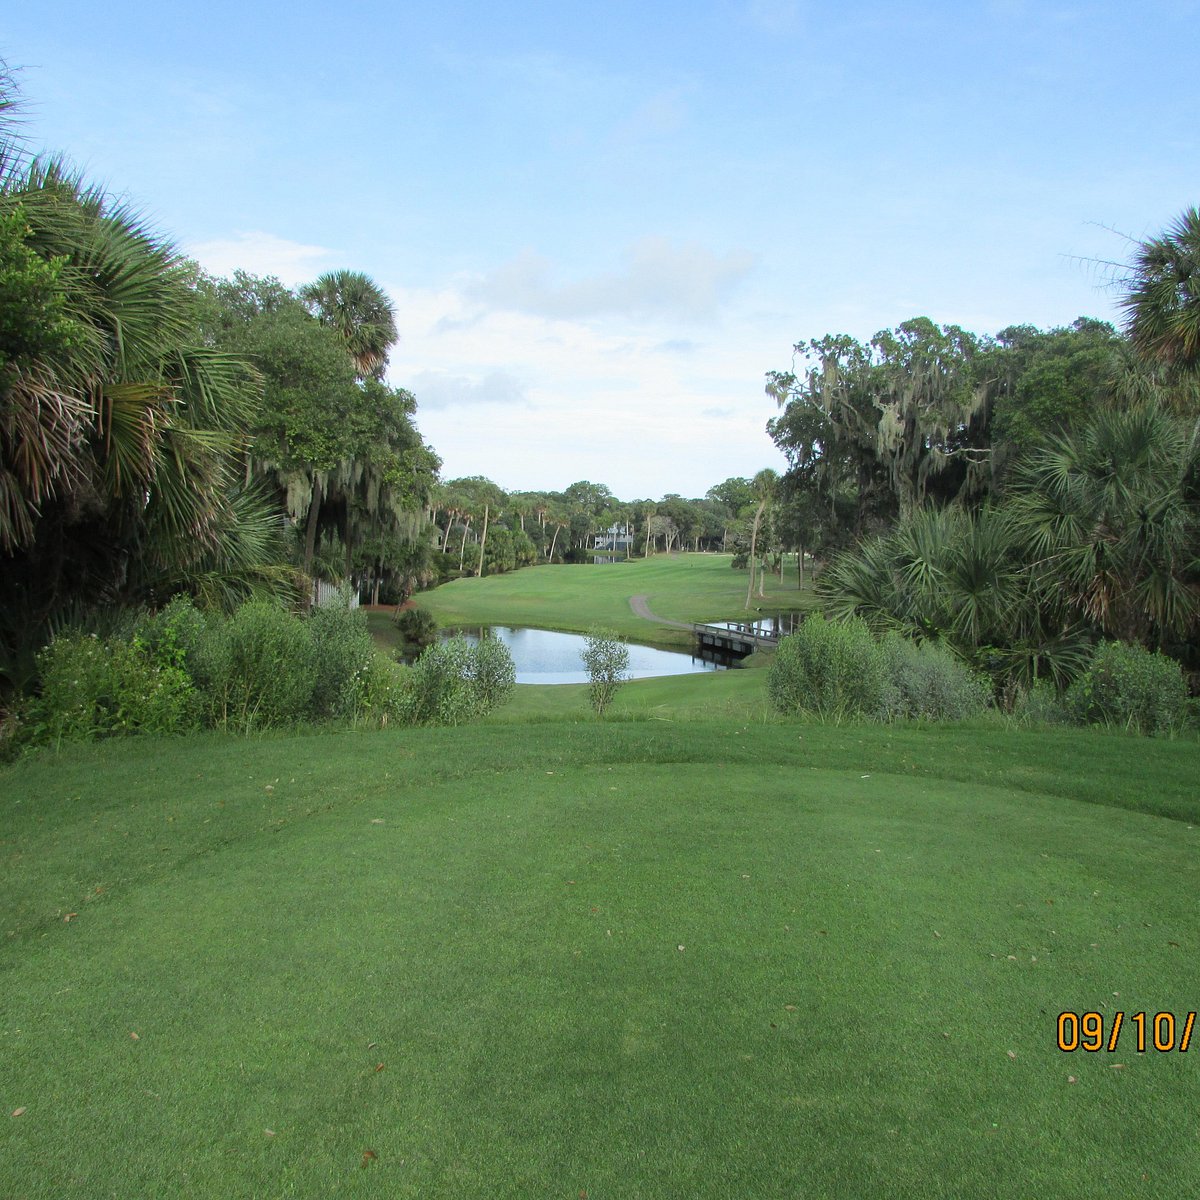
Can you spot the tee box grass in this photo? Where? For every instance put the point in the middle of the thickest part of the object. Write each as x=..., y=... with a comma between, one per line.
x=626, y=959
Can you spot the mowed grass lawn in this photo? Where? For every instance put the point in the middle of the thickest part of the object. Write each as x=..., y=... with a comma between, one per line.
x=613, y=959
x=679, y=587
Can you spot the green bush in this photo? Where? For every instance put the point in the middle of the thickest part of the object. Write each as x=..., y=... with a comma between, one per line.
x=1039, y=705
x=383, y=695
x=173, y=634
x=833, y=669
x=926, y=681
x=606, y=659
x=1128, y=687
x=455, y=681
x=493, y=675
x=342, y=653
x=416, y=625
x=270, y=668
x=93, y=687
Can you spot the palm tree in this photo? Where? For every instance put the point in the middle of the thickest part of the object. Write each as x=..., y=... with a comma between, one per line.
x=764, y=486
x=121, y=434
x=1163, y=303
x=1110, y=515
x=357, y=307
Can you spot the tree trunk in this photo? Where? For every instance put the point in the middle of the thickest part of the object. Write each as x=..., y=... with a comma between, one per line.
x=482, y=543
x=800, y=564
x=310, y=532
x=753, y=547
x=462, y=550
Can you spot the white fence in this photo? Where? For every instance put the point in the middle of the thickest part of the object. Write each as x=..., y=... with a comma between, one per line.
x=326, y=595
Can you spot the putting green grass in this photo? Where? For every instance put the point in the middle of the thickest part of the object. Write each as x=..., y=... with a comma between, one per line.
x=680, y=587
x=620, y=959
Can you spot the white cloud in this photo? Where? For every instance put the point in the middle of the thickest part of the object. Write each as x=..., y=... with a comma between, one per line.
x=658, y=277
x=440, y=389
x=260, y=253
x=536, y=401
x=776, y=16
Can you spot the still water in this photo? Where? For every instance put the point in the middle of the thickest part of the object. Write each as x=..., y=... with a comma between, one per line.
x=547, y=656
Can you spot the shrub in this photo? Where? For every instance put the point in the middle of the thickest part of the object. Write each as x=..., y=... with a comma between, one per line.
x=210, y=663
x=417, y=626
x=834, y=669
x=173, y=634
x=93, y=687
x=1040, y=704
x=1127, y=686
x=493, y=674
x=455, y=681
x=606, y=659
x=383, y=694
x=270, y=669
x=927, y=681
x=342, y=652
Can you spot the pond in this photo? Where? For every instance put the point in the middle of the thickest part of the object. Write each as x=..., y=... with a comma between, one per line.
x=547, y=656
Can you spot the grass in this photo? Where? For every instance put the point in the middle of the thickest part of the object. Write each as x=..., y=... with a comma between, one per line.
x=680, y=587
x=460, y=949
x=738, y=695
x=693, y=949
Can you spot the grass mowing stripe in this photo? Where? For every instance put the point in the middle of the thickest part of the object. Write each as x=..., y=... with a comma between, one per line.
x=527, y=1050
x=103, y=816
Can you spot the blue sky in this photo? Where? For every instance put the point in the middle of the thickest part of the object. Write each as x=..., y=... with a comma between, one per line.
x=603, y=223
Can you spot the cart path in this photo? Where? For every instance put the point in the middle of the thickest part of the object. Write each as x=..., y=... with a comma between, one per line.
x=639, y=606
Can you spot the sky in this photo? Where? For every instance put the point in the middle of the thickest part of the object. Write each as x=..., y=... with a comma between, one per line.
x=602, y=224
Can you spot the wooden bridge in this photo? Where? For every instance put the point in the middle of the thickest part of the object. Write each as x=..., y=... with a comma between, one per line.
x=739, y=640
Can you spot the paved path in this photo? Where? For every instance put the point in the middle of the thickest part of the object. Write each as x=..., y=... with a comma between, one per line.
x=639, y=606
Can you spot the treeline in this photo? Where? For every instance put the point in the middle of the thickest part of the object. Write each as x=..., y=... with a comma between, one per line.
x=481, y=529
x=1019, y=498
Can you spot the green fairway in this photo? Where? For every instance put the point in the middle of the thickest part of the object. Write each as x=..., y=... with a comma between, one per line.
x=679, y=587
x=738, y=695
x=620, y=959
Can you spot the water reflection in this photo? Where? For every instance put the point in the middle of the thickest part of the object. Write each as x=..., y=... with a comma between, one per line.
x=779, y=625
x=547, y=656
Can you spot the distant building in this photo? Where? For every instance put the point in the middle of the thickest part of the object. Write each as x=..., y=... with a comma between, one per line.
x=614, y=539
